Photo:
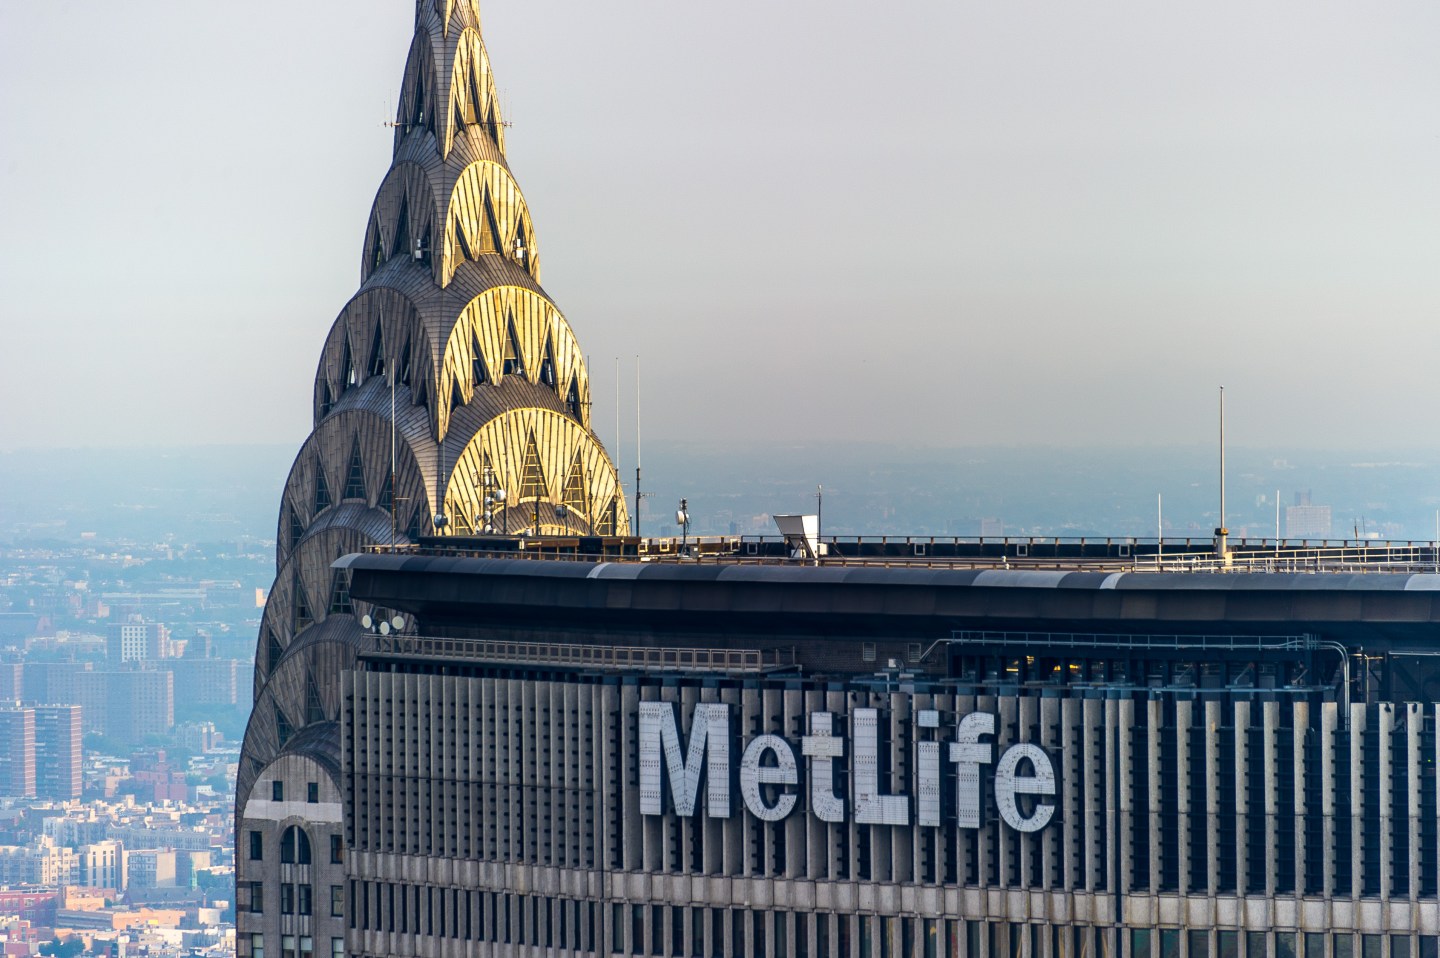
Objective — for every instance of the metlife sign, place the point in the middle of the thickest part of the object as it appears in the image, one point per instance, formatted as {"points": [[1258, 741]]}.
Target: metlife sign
{"points": [[769, 775]]}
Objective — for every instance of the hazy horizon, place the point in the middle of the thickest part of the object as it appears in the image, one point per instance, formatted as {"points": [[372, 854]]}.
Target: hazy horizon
{"points": [[964, 223]]}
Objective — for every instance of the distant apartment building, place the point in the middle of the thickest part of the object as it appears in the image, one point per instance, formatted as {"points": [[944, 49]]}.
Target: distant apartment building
{"points": [[1305, 520], [150, 868], [17, 752], [136, 642], [102, 865], [58, 754], [52, 681], [139, 704], [208, 681], [12, 681], [43, 863]]}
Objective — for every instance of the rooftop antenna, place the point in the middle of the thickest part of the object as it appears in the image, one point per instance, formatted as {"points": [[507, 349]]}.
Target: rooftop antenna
{"points": [[1159, 529], [1222, 534], [638, 494], [392, 459]]}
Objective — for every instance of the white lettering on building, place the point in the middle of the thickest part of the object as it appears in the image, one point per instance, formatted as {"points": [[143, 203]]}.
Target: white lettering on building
{"points": [[1024, 783]]}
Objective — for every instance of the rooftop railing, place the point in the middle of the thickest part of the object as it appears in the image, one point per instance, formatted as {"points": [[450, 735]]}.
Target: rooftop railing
{"points": [[588, 656]]}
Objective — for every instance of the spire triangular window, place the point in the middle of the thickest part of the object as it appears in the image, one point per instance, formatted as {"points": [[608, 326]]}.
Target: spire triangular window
{"points": [[314, 708], [478, 373], [377, 352], [604, 523], [303, 618], [576, 496], [283, 728], [272, 651], [412, 531], [355, 481], [532, 474], [340, 593], [521, 251], [462, 240], [405, 364], [322, 489], [547, 365], [347, 367], [401, 243], [296, 531], [514, 358], [572, 401], [457, 397], [387, 493], [377, 249], [489, 225], [327, 399]]}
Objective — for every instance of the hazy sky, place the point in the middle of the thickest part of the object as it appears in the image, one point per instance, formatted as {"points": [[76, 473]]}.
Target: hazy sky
{"points": [[940, 220]]}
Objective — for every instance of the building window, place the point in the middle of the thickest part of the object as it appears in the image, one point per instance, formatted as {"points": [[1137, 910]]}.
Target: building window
{"points": [[337, 901], [257, 897], [307, 947], [287, 902], [337, 850], [304, 904], [295, 846], [337, 948], [257, 946], [277, 791], [257, 847], [312, 792], [287, 946]]}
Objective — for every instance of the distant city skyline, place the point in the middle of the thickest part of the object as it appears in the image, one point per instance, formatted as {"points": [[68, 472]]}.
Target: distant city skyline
{"points": [[959, 223]]}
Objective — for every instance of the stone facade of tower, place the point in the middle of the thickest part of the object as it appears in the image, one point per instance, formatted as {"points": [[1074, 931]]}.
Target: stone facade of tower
{"points": [[449, 375]]}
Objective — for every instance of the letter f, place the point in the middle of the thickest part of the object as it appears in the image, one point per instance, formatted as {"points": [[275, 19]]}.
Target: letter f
{"points": [[970, 753]]}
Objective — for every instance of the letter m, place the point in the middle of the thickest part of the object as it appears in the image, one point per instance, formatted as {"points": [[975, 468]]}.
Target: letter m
{"points": [[707, 750]]}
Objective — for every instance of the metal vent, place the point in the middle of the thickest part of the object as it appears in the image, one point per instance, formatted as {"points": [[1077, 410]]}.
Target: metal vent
{"points": [[867, 652]]}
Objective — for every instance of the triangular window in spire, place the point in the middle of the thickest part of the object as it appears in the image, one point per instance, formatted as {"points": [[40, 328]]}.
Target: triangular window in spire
{"points": [[572, 401], [576, 495], [283, 728], [377, 352], [327, 399], [477, 102], [297, 530], [457, 398], [491, 126], [417, 112], [401, 243], [347, 367], [355, 479], [489, 225], [532, 474], [604, 523], [478, 373], [412, 530], [522, 245], [272, 651], [462, 240], [459, 113], [377, 251], [322, 489], [340, 593], [405, 364], [387, 493], [303, 618], [514, 358], [547, 365], [314, 708]]}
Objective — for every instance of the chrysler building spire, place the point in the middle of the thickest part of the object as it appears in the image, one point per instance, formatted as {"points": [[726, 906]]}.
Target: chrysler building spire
{"points": [[448, 377]]}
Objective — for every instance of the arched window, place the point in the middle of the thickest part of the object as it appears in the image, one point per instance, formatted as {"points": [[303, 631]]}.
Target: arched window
{"points": [[295, 846]]}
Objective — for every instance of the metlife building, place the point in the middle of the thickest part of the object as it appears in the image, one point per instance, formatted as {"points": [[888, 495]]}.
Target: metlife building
{"points": [[884, 755]]}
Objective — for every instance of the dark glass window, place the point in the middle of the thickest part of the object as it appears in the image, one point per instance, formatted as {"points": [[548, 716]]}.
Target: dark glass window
{"points": [[337, 850], [287, 899], [257, 847], [277, 791], [312, 792], [337, 901], [304, 902], [295, 846], [257, 897]]}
